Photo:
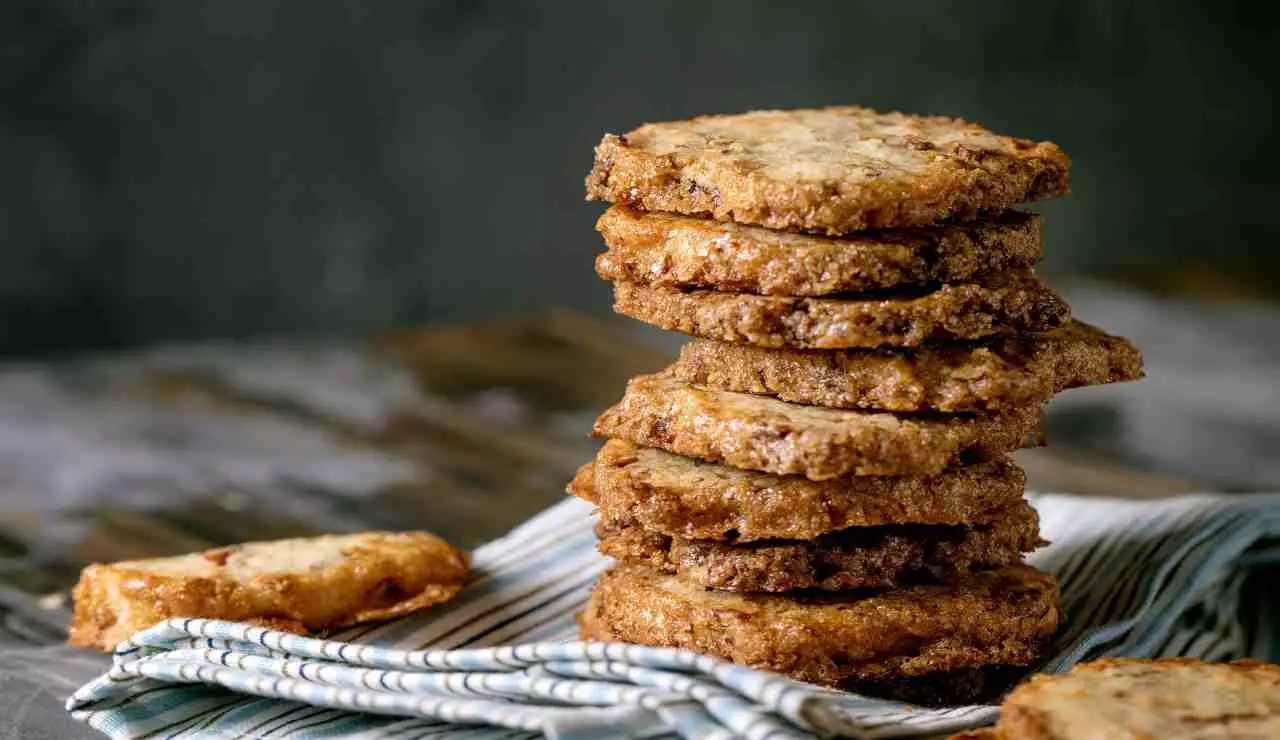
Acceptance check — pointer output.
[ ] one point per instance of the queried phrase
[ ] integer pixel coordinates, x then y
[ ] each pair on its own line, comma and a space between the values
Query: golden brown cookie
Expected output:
759, 433
692, 499
994, 304
301, 585
830, 170
1170, 699
668, 250
860, 557
851, 641
1003, 373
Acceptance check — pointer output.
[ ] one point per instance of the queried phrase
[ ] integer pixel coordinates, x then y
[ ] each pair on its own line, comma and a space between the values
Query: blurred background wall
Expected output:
177, 170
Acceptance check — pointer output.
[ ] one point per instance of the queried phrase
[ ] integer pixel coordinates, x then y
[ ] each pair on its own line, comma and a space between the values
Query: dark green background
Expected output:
243, 167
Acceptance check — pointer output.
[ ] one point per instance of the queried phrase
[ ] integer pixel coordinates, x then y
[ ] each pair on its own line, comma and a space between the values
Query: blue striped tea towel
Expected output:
1168, 577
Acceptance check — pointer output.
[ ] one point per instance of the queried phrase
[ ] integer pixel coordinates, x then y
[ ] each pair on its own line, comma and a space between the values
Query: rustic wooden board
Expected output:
464, 430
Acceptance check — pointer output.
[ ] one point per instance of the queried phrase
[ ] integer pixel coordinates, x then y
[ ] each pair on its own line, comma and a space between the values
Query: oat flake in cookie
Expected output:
830, 170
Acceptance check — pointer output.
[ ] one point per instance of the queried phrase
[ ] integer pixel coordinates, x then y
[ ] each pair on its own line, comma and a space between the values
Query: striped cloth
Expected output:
1169, 577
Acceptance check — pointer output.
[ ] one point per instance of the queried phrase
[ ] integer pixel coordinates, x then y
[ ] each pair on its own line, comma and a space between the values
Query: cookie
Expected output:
860, 557
849, 640
765, 434
673, 251
830, 170
1170, 699
999, 374
682, 497
300, 585
1004, 302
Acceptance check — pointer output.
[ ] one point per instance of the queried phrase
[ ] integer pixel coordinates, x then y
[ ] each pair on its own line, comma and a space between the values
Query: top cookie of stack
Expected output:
725, 270
835, 170
870, 342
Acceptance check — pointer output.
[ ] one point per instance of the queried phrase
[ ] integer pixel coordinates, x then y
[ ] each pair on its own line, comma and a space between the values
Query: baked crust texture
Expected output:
692, 499
829, 170
1014, 301
1170, 698
860, 557
300, 585
991, 618
995, 375
764, 434
674, 251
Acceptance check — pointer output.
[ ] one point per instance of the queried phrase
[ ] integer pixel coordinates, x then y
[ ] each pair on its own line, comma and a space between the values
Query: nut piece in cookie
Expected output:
892, 643
1170, 699
1014, 301
673, 251
301, 585
830, 170
765, 434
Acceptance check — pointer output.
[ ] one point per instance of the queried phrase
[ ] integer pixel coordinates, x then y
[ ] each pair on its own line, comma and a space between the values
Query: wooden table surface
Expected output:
463, 430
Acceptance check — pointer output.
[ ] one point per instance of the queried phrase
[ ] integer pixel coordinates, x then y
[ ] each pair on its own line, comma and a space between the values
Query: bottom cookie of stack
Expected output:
930, 644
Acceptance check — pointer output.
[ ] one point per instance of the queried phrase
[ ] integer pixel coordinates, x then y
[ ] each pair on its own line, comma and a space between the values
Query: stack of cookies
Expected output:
820, 484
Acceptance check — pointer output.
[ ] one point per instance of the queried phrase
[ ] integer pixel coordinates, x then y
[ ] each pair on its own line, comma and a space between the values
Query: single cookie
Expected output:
300, 585
667, 250
758, 433
692, 499
1170, 699
992, 618
1005, 302
1004, 373
832, 170
860, 557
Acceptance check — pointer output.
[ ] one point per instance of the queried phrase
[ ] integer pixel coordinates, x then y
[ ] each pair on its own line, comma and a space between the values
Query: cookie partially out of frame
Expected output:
860, 557
1002, 373
852, 640
765, 434
1014, 301
300, 585
832, 170
692, 499
674, 251
1170, 699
